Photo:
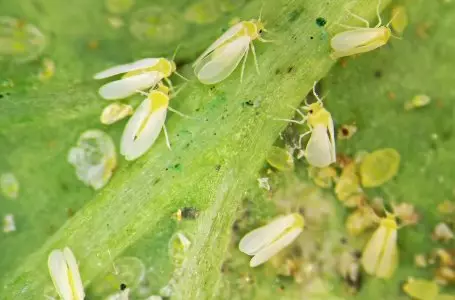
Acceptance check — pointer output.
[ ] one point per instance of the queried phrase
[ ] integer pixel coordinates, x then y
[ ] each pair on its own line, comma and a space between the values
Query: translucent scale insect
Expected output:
380, 255
144, 127
65, 274
225, 54
358, 39
139, 75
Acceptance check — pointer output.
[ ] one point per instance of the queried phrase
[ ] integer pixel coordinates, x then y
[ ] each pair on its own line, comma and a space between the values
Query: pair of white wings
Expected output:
268, 240
132, 145
126, 87
222, 57
320, 150
380, 256
356, 41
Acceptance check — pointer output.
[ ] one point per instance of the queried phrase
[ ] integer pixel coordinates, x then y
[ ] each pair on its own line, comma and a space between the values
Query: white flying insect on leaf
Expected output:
65, 274
144, 127
225, 54
358, 39
266, 241
140, 75
380, 255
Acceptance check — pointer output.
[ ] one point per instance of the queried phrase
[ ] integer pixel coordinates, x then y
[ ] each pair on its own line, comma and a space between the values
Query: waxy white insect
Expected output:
140, 75
225, 54
266, 241
358, 39
8, 223
9, 185
144, 127
65, 274
380, 255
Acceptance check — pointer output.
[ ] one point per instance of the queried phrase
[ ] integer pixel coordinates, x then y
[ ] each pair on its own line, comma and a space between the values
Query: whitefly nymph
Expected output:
225, 54
139, 75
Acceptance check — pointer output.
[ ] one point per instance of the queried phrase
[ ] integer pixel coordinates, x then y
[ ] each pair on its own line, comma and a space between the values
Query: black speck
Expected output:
1, 96
197, 109
282, 287
290, 69
217, 167
248, 103
344, 240
167, 169
212, 88
321, 22
277, 71
122, 286
214, 133
190, 213
178, 167
311, 37
378, 74
156, 181
357, 254
206, 119
294, 15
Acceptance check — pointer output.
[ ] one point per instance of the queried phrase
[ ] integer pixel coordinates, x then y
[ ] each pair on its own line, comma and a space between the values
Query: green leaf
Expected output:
215, 156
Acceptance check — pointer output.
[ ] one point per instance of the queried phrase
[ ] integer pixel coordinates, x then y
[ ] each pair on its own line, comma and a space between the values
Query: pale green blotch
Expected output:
379, 167
202, 12
230, 5
119, 6
128, 270
280, 159
157, 24
178, 246
19, 40
9, 185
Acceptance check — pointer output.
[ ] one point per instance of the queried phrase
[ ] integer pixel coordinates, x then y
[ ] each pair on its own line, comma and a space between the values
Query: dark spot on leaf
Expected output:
70, 212
344, 240
178, 167
357, 254
217, 167
294, 15
122, 286
190, 213
248, 103
311, 37
156, 181
321, 22
277, 71
344, 131
290, 69
214, 133
378, 74
197, 109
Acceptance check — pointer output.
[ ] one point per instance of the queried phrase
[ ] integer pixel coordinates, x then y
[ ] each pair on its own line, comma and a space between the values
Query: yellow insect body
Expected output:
225, 54
320, 149
144, 127
380, 256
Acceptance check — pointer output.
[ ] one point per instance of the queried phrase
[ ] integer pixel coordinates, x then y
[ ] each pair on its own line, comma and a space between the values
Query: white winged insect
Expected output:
380, 255
225, 54
144, 127
358, 39
266, 241
139, 75
65, 274
320, 149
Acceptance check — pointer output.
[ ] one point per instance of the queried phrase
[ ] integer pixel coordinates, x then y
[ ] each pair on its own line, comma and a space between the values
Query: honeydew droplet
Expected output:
119, 6
379, 166
280, 159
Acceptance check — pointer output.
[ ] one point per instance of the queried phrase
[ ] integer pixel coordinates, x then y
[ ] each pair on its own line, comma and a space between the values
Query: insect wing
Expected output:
75, 277
355, 38
222, 39
125, 87
222, 62
276, 246
137, 65
133, 146
59, 274
373, 250
389, 258
319, 149
261, 237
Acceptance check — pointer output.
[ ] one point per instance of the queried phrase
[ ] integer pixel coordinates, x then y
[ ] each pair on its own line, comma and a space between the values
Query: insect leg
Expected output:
255, 58
358, 17
168, 143
378, 14
243, 64
179, 113
142, 93
302, 136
